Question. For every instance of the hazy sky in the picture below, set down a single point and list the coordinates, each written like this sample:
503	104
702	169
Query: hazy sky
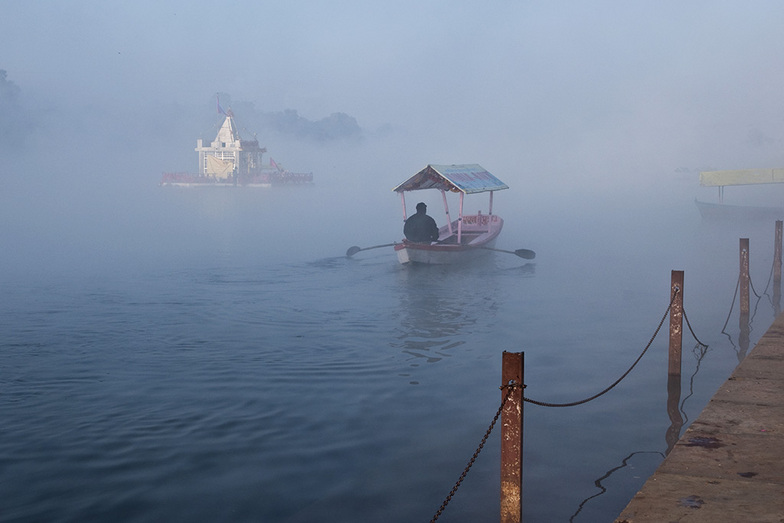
597	86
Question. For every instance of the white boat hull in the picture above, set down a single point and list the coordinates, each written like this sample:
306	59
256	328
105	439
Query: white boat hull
478	236
721	211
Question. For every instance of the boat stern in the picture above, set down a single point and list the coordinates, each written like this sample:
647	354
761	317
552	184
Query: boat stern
402	253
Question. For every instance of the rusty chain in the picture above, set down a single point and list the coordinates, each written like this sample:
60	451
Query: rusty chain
575	403
688	323
732	305
510	387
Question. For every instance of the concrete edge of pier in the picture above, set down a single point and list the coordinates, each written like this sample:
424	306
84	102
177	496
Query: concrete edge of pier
729	464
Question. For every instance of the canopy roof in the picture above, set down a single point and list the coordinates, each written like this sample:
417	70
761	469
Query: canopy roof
466	178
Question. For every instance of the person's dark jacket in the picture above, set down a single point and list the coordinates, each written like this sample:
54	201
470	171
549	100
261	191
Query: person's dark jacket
421	228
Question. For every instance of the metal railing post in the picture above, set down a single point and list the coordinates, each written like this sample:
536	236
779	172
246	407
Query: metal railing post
512	439
674	362
744	276
777	267
676	323
744	282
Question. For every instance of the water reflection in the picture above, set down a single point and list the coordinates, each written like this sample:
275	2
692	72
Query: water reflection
435	309
744	336
527	269
699	351
441	307
676	414
673	411
745	322
602	488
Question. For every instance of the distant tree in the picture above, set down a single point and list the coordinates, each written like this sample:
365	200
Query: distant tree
9	91
12	131
337	126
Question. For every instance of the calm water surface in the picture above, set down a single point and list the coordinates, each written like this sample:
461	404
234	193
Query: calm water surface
211	356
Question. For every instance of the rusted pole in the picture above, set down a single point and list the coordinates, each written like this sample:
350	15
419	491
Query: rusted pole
512	439
675	356
743	283
676	323
777	267
744	277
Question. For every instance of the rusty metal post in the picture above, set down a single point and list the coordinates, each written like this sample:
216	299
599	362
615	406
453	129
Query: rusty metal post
744	277
676	323
675	356
777	267
743	283
512	439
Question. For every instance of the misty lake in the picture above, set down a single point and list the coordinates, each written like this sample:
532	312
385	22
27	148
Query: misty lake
174	354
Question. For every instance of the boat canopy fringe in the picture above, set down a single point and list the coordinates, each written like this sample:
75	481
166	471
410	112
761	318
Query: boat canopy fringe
741	177
464	178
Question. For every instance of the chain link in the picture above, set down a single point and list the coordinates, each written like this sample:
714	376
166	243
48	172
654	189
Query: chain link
510	387
575	403
732	305
692	330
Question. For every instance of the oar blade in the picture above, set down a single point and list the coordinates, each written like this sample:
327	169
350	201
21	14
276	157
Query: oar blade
525	253
352	251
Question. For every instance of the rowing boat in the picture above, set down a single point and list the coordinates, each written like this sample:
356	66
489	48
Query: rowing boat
465	238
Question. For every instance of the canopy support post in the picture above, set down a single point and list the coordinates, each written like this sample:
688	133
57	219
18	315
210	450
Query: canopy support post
446	208
460	221
403	202
490	211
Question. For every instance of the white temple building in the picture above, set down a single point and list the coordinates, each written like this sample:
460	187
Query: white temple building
229	156
231	161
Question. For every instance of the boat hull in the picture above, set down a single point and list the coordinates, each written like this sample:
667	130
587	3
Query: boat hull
480	234
721	211
440	254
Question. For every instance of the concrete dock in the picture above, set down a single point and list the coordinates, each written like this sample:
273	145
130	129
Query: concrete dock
729	464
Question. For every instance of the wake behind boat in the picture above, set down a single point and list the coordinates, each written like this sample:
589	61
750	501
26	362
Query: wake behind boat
459	240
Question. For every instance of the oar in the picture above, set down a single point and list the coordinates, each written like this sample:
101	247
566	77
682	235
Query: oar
522	253
355	249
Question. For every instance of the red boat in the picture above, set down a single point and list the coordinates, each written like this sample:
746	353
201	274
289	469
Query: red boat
460	240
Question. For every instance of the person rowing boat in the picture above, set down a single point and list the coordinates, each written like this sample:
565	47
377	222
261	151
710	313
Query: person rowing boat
421	228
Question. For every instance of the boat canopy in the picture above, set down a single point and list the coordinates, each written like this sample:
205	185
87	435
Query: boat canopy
741	177
465	178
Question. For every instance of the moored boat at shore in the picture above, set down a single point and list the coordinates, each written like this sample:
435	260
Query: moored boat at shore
723	211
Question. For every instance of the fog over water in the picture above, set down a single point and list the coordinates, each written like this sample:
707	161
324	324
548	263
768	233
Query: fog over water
186	354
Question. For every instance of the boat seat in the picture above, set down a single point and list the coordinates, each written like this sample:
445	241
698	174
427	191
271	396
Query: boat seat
466	239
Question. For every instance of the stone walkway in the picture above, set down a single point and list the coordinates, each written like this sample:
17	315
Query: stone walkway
729	464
